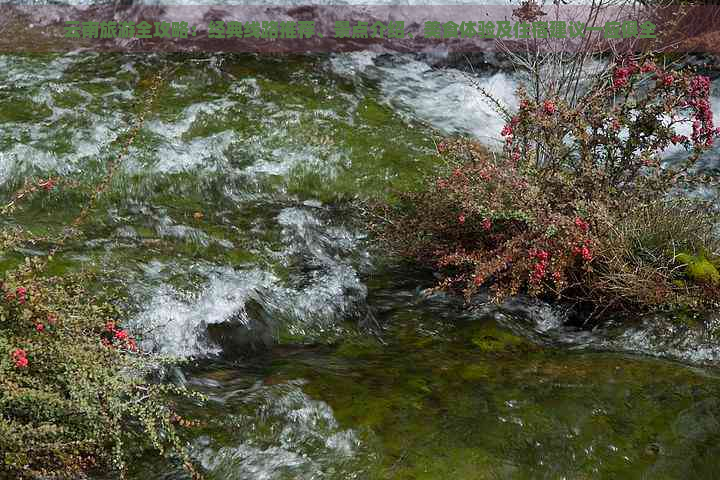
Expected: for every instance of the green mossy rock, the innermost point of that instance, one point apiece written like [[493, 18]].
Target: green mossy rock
[[490, 338], [699, 269]]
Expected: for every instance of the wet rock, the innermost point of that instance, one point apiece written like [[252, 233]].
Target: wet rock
[[653, 449], [245, 333], [489, 338], [486, 63]]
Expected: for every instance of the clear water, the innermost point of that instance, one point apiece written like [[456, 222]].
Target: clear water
[[233, 232]]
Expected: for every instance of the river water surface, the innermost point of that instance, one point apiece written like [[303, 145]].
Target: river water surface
[[233, 230]]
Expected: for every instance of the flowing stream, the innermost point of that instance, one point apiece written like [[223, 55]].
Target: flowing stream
[[233, 230]]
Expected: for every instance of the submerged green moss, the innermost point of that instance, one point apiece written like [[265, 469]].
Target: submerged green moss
[[23, 110], [453, 410], [438, 397], [359, 348], [489, 338], [475, 372]]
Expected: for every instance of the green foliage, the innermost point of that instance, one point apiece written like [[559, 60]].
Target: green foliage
[[699, 269], [80, 398]]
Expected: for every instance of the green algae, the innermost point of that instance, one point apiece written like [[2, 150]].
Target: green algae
[[453, 409], [703, 272], [475, 372], [358, 348], [433, 421], [492, 339], [17, 109], [434, 399]]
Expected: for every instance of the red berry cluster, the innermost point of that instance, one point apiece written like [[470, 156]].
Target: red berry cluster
[[48, 184], [621, 75], [113, 334], [549, 107], [698, 93], [697, 97], [20, 294], [543, 258], [19, 356], [675, 139], [584, 251], [582, 224], [509, 128]]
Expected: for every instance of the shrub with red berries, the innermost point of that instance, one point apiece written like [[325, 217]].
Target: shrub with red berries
[[486, 222], [557, 213], [64, 383], [614, 138]]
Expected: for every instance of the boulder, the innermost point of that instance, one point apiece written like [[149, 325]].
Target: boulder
[[248, 331]]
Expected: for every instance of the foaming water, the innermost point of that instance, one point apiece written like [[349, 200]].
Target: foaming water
[[332, 291], [233, 226], [294, 436], [321, 292], [452, 394], [47, 111], [246, 135], [693, 339], [448, 99], [175, 322]]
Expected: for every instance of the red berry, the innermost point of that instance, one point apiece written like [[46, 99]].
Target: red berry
[[549, 107]]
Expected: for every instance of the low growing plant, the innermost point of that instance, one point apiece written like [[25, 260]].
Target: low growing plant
[[648, 255], [74, 390]]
